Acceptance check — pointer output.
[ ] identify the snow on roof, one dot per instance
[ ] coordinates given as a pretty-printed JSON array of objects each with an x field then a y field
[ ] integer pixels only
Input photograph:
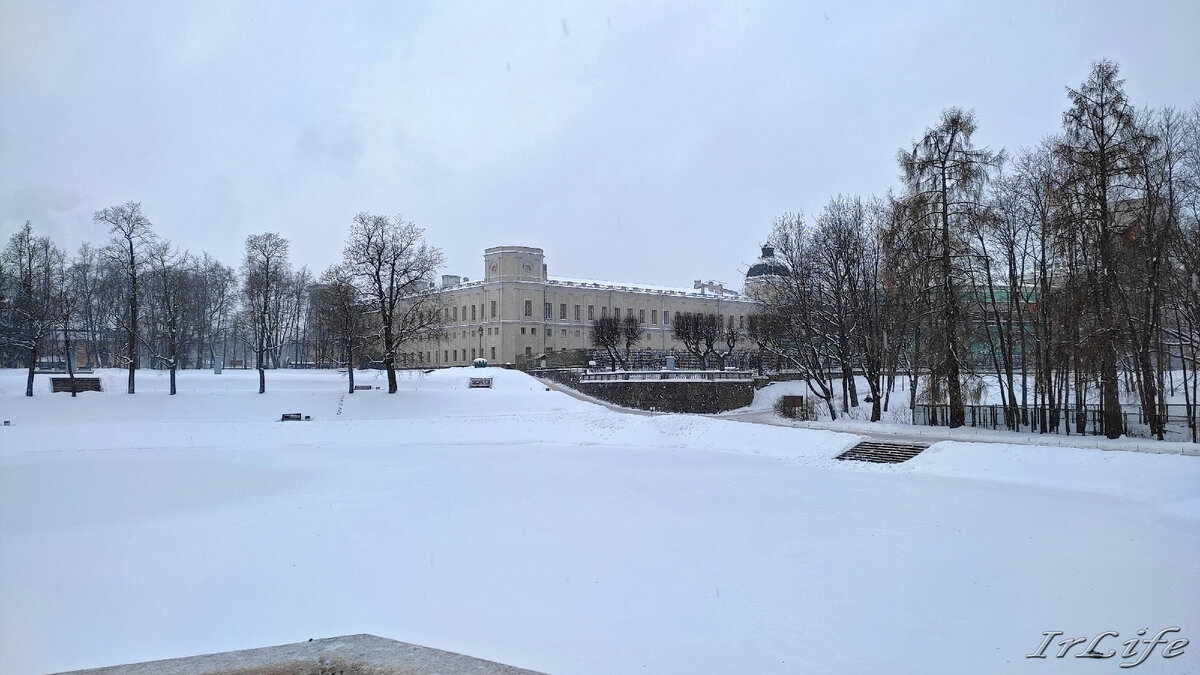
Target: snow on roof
[{"x": 645, "y": 288}]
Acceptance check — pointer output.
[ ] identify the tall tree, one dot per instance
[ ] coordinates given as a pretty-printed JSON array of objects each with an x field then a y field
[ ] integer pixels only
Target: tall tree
[
  {"x": 33, "y": 269},
  {"x": 339, "y": 310},
  {"x": 1101, "y": 145},
  {"x": 172, "y": 282},
  {"x": 131, "y": 232},
  {"x": 944, "y": 174},
  {"x": 793, "y": 300},
  {"x": 395, "y": 267},
  {"x": 265, "y": 270}
]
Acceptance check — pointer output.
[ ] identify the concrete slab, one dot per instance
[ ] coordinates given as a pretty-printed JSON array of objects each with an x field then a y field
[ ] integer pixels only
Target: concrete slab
[{"x": 347, "y": 655}]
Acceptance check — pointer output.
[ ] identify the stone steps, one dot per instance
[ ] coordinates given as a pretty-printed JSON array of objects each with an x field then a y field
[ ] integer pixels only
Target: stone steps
[{"x": 882, "y": 452}]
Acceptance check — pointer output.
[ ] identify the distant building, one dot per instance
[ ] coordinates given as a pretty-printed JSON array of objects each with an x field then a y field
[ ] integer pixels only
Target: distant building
[{"x": 518, "y": 309}]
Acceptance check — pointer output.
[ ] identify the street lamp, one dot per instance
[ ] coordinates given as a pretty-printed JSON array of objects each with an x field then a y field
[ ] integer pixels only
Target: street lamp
[{"x": 480, "y": 341}]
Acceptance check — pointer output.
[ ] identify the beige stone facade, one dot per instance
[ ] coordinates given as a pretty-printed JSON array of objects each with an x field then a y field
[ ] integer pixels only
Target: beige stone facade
[{"x": 518, "y": 309}]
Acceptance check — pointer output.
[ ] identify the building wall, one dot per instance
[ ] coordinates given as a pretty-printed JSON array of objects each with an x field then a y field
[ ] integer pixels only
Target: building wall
[{"x": 510, "y": 305}]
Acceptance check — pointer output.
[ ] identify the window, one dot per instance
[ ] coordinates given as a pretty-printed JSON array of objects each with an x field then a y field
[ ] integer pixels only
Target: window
[
  {"x": 464, "y": 318},
  {"x": 529, "y": 351},
  {"x": 455, "y": 354},
  {"x": 522, "y": 330},
  {"x": 446, "y": 355},
  {"x": 546, "y": 311},
  {"x": 493, "y": 311},
  {"x": 493, "y": 353},
  {"x": 616, "y": 312},
  {"x": 576, "y": 312},
  {"x": 528, "y": 308},
  {"x": 533, "y": 331},
  {"x": 472, "y": 312},
  {"x": 472, "y": 353},
  {"x": 576, "y": 333},
  {"x": 641, "y": 316},
  {"x": 591, "y": 312},
  {"x": 730, "y": 322},
  {"x": 654, "y": 316},
  {"x": 741, "y": 322},
  {"x": 562, "y": 311},
  {"x": 666, "y": 317},
  {"x": 603, "y": 312},
  {"x": 629, "y": 312},
  {"x": 455, "y": 314},
  {"x": 564, "y": 332}
]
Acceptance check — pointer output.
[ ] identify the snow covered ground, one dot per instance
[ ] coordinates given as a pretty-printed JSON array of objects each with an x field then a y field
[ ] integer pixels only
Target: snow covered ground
[{"x": 525, "y": 526}]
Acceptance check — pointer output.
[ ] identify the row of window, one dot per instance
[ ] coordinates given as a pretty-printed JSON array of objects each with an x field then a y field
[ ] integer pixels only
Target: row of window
[{"x": 451, "y": 314}]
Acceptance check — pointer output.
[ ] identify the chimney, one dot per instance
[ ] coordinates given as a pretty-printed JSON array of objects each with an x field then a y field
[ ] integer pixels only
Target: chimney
[{"x": 768, "y": 251}]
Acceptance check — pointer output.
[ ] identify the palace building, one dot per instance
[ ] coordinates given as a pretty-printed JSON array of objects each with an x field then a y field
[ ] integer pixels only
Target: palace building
[{"x": 518, "y": 309}]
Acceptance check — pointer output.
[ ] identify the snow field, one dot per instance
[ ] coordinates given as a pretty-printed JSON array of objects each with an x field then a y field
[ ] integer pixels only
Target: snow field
[{"x": 531, "y": 528}]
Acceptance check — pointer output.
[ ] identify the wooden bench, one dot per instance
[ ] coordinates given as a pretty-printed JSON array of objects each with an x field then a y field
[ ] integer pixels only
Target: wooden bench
[
  {"x": 480, "y": 383},
  {"x": 294, "y": 417},
  {"x": 363, "y": 387},
  {"x": 63, "y": 384}
]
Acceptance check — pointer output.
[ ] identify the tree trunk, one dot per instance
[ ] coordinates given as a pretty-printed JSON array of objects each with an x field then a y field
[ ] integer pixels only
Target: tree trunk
[{"x": 32, "y": 364}]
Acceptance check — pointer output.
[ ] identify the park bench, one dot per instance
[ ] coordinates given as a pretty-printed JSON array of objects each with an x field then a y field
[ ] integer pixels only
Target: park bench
[
  {"x": 64, "y": 384},
  {"x": 363, "y": 387},
  {"x": 294, "y": 417},
  {"x": 480, "y": 383}
]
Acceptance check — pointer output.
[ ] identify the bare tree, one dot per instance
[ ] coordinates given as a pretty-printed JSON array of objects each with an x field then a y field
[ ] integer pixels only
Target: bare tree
[
  {"x": 390, "y": 260},
  {"x": 265, "y": 270},
  {"x": 216, "y": 291},
  {"x": 130, "y": 232},
  {"x": 944, "y": 175},
  {"x": 606, "y": 334},
  {"x": 33, "y": 269},
  {"x": 172, "y": 283},
  {"x": 339, "y": 309},
  {"x": 632, "y": 332},
  {"x": 693, "y": 330},
  {"x": 792, "y": 302},
  {"x": 1101, "y": 147}
]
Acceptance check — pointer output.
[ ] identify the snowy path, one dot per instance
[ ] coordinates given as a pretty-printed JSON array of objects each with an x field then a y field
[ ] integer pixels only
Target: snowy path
[{"x": 911, "y": 434}]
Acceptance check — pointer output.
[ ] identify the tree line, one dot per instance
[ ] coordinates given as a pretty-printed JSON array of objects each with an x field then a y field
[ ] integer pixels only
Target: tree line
[
  {"x": 138, "y": 300},
  {"x": 1066, "y": 273}
]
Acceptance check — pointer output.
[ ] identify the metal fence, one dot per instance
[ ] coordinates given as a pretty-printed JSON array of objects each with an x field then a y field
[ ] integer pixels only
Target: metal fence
[
  {"x": 674, "y": 375},
  {"x": 1085, "y": 420}
]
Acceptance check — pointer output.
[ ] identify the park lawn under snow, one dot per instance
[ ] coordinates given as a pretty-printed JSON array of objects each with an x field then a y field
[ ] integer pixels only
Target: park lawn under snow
[{"x": 524, "y": 526}]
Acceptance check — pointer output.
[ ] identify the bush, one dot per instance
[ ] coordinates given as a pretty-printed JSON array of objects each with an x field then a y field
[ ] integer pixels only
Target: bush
[{"x": 805, "y": 412}]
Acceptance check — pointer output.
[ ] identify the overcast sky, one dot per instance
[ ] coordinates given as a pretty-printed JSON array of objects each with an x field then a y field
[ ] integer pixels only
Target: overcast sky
[{"x": 633, "y": 141}]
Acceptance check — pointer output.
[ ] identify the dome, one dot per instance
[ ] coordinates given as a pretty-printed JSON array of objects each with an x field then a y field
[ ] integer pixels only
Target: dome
[{"x": 767, "y": 265}]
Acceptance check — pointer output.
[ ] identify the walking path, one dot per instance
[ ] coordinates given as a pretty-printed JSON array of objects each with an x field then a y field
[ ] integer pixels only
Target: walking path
[{"x": 906, "y": 433}]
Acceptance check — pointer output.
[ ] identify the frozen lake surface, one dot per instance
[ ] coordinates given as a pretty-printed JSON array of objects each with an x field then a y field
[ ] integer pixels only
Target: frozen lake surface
[{"x": 527, "y": 527}]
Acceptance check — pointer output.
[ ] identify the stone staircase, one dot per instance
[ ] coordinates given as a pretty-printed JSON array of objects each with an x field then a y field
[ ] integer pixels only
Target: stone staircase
[{"x": 882, "y": 452}]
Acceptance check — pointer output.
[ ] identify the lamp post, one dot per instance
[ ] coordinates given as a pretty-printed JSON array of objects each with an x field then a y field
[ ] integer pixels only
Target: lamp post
[{"x": 480, "y": 341}]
